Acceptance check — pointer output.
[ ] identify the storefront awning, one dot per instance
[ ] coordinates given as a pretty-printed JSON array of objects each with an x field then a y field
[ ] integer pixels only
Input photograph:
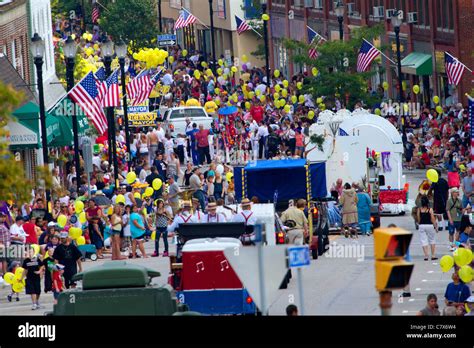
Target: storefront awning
[
  {"x": 63, "y": 112},
  {"x": 417, "y": 63},
  {"x": 28, "y": 116}
]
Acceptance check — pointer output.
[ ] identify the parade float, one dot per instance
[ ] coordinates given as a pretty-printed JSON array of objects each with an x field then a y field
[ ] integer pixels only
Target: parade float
[{"x": 363, "y": 148}]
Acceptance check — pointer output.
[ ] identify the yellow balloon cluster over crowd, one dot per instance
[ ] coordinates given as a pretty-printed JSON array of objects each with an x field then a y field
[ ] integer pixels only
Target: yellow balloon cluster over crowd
[{"x": 152, "y": 57}]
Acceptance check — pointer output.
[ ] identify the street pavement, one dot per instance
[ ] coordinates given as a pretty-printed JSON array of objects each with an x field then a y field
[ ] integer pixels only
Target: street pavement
[{"x": 332, "y": 285}]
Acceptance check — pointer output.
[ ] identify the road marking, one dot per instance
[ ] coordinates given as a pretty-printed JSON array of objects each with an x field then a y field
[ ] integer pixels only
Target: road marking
[
  {"x": 412, "y": 300},
  {"x": 430, "y": 271},
  {"x": 406, "y": 312},
  {"x": 417, "y": 289}
]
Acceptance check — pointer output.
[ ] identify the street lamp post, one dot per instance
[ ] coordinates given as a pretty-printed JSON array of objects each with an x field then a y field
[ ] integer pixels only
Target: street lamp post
[
  {"x": 265, "y": 38},
  {"x": 211, "y": 14},
  {"x": 107, "y": 50},
  {"x": 160, "y": 24},
  {"x": 397, "y": 22},
  {"x": 121, "y": 50},
  {"x": 37, "y": 50},
  {"x": 70, "y": 49},
  {"x": 339, "y": 10}
]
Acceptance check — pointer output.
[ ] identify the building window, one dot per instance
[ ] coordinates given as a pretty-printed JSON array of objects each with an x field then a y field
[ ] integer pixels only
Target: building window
[
  {"x": 445, "y": 17},
  {"x": 421, "y": 7},
  {"x": 221, "y": 9},
  {"x": 250, "y": 10},
  {"x": 175, "y": 4},
  {"x": 13, "y": 54}
]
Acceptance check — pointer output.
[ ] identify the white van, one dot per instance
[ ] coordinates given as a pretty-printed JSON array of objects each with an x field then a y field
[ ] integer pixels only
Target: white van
[{"x": 174, "y": 119}]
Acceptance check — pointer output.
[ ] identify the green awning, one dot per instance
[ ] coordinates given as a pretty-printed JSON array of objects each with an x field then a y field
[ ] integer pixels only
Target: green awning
[
  {"x": 28, "y": 115},
  {"x": 418, "y": 64},
  {"x": 63, "y": 111}
]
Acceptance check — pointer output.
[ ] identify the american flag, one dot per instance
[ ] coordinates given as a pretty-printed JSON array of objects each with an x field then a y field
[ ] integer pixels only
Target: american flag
[
  {"x": 454, "y": 69},
  {"x": 149, "y": 84},
  {"x": 241, "y": 25},
  {"x": 112, "y": 96},
  {"x": 100, "y": 82},
  {"x": 314, "y": 39},
  {"x": 136, "y": 85},
  {"x": 86, "y": 95},
  {"x": 367, "y": 54},
  {"x": 185, "y": 18},
  {"x": 471, "y": 117},
  {"x": 95, "y": 13}
]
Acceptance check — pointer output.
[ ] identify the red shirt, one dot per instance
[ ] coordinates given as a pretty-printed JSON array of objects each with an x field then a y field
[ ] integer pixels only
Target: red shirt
[
  {"x": 57, "y": 281},
  {"x": 201, "y": 138},
  {"x": 426, "y": 158},
  {"x": 257, "y": 113},
  {"x": 29, "y": 229}
]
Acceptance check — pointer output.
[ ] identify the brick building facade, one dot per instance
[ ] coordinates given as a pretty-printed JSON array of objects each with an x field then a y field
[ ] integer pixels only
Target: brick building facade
[
  {"x": 443, "y": 25},
  {"x": 14, "y": 39}
]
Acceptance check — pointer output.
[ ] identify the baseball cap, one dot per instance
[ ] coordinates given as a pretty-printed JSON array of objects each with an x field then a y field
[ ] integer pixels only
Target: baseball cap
[
  {"x": 58, "y": 267},
  {"x": 470, "y": 299},
  {"x": 63, "y": 235}
]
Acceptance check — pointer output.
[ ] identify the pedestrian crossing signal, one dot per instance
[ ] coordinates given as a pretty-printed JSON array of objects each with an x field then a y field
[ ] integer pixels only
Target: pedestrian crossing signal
[{"x": 390, "y": 247}]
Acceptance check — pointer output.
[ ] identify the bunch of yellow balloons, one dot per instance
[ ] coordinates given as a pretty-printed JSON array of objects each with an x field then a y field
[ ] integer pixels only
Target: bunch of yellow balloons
[{"x": 152, "y": 57}]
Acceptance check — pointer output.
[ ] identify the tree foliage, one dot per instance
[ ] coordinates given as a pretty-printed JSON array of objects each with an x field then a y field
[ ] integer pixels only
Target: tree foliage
[
  {"x": 337, "y": 61},
  {"x": 14, "y": 184},
  {"x": 134, "y": 21}
]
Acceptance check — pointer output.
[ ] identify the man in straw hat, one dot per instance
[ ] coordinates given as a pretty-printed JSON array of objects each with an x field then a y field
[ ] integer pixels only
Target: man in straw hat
[
  {"x": 246, "y": 215},
  {"x": 212, "y": 214},
  {"x": 182, "y": 218}
]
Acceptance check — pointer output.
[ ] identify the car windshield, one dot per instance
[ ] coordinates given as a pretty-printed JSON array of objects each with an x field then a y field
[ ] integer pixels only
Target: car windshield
[{"x": 183, "y": 113}]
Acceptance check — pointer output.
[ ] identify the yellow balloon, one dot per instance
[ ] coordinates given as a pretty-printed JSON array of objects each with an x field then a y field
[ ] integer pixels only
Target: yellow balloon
[
  {"x": 62, "y": 220},
  {"x": 220, "y": 62},
  {"x": 157, "y": 183},
  {"x": 265, "y": 17},
  {"x": 263, "y": 98},
  {"x": 78, "y": 206},
  {"x": 385, "y": 85},
  {"x": 234, "y": 69},
  {"x": 219, "y": 71},
  {"x": 446, "y": 263},
  {"x": 217, "y": 101},
  {"x": 277, "y": 88},
  {"x": 19, "y": 272},
  {"x": 258, "y": 92},
  {"x": 245, "y": 59},
  {"x": 184, "y": 53},
  {"x": 85, "y": 36},
  {"x": 131, "y": 177},
  {"x": 197, "y": 74},
  {"x": 81, "y": 240},
  {"x": 204, "y": 64},
  {"x": 137, "y": 195},
  {"x": 75, "y": 232},
  {"x": 299, "y": 85},
  {"x": 149, "y": 191},
  {"x": 294, "y": 99},
  {"x": 432, "y": 175},
  {"x": 217, "y": 90},
  {"x": 18, "y": 287},
  {"x": 9, "y": 278},
  {"x": 285, "y": 83},
  {"x": 314, "y": 71},
  {"x": 284, "y": 93},
  {"x": 378, "y": 112},
  {"x": 229, "y": 176},
  {"x": 73, "y": 36},
  {"x": 282, "y": 102},
  {"x": 171, "y": 59},
  {"x": 319, "y": 100},
  {"x": 436, "y": 99},
  {"x": 439, "y": 109},
  {"x": 462, "y": 256},
  {"x": 287, "y": 109},
  {"x": 209, "y": 72},
  {"x": 120, "y": 199},
  {"x": 82, "y": 217},
  {"x": 276, "y": 95},
  {"x": 466, "y": 273},
  {"x": 311, "y": 114},
  {"x": 36, "y": 248},
  {"x": 416, "y": 89},
  {"x": 276, "y": 73},
  {"x": 301, "y": 99},
  {"x": 247, "y": 105}
]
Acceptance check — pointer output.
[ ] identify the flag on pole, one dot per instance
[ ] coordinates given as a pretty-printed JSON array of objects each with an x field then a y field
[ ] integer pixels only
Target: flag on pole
[
  {"x": 136, "y": 84},
  {"x": 314, "y": 40},
  {"x": 100, "y": 82},
  {"x": 147, "y": 86},
  {"x": 95, "y": 13},
  {"x": 112, "y": 95},
  {"x": 454, "y": 69},
  {"x": 471, "y": 120},
  {"x": 185, "y": 18},
  {"x": 242, "y": 25},
  {"x": 86, "y": 95},
  {"x": 367, "y": 54}
]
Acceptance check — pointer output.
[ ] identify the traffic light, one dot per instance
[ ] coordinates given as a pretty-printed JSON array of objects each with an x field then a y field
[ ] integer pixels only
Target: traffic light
[{"x": 391, "y": 270}]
